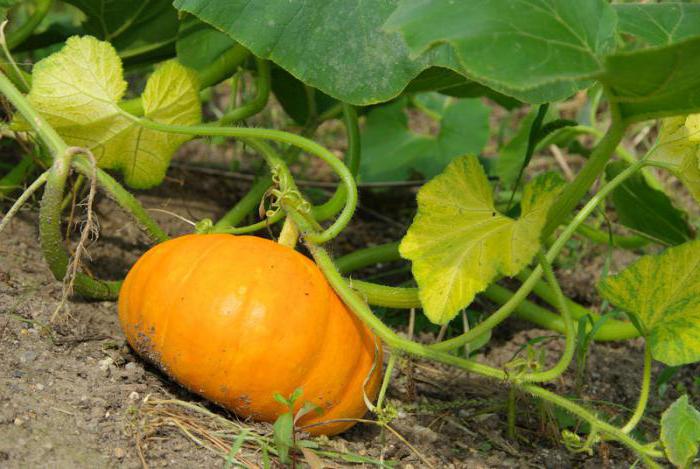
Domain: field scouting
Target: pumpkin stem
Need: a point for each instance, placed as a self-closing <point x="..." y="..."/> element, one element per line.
<point x="289" y="234"/>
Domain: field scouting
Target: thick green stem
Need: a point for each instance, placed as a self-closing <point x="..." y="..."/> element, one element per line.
<point x="258" y="103"/>
<point x="19" y="35"/>
<point x="52" y="239"/>
<point x="247" y="204"/>
<point x="620" y="330"/>
<point x="577" y="189"/>
<point x="602" y="237"/>
<point x="643" y="394"/>
<point x="404" y="298"/>
<point x="356" y="260"/>
<point x="569" y="330"/>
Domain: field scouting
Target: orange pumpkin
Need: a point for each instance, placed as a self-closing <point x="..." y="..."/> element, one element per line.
<point x="237" y="319"/>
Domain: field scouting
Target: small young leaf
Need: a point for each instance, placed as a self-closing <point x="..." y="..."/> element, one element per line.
<point x="647" y="209"/>
<point x="678" y="147"/>
<point x="284" y="436"/>
<point x="680" y="432"/>
<point x="663" y="291"/>
<point x="458" y="242"/>
<point x="78" y="90"/>
<point x="391" y="151"/>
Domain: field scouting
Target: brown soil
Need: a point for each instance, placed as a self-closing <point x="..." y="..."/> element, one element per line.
<point x="71" y="392"/>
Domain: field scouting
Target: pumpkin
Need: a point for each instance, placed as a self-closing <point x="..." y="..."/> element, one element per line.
<point x="237" y="319"/>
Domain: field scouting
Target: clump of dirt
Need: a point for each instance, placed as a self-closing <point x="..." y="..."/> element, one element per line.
<point x="72" y="393"/>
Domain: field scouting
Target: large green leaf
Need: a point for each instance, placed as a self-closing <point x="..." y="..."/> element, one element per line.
<point x="198" y="44"/>
<point x="134" y="27"/>
<point x="458" y="242"/>
<point x="678" y="148"/>
<point x="535" y="50"/>
<point x="392" y="152"/>
<point x="78" y="91"/>
<point x="680" y="432"/>
<point x="655" y="82"/>
<point x="657" y="24"/>
<point x="337" y="46"/>
<point x="663" y="292"/>
<point x="647" y="209"/>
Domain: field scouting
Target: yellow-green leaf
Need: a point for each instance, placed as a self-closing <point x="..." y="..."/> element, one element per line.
<point x="680" y="432"/>
<point x="458" y="242"/>
<point x="78" y="91"/>
<point x="663" y="292"/>
<point x="679" y="148"/>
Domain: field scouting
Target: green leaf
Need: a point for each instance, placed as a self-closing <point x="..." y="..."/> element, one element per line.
<point x="337" y="46"/>
<point x="680" y="432"/>
<point x="657" y="24"/>
<point x="458" y="242"/>
<point x="655" y="82"/>
<point x="663" y="291"/>
<point x="78" y="91"/>
<point x="134" y="27"/>
<point x="647" y="209"/>
<point x="198" y="44"/>
<point x="283" y="436"/>
<point x="392" y="152"/>
<point x="453" y="84"/>
<point x="678" y="148"/>
<point x="535" y="50"/>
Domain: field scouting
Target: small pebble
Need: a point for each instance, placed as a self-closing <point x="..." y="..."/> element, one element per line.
<point x="105" y="364"/>
<point x="134" y="396"/>
<point x="39" y="387"/>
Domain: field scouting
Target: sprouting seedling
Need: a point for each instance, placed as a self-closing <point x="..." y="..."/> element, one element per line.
<point x="284" y="426"/>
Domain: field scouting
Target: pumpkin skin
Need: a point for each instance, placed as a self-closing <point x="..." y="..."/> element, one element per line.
<point x="237" y="319"/>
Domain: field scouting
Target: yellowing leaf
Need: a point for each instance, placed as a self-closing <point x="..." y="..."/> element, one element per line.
<point x="680" y="432"/>
<point x="692" y="123"/>
<point x="663" y="292"/>
<point x="458" y="242"/>
<point x="679" y="147"/>
<point x="78" y="90"/>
